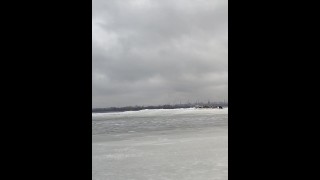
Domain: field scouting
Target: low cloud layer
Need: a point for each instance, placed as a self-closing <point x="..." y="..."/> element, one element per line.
<point x="150" y="52"/>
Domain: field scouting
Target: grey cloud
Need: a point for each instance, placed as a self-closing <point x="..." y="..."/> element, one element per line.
<point x="159" y="51"/>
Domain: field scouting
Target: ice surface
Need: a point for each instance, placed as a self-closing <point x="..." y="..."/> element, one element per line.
<point x="160" y="144"/>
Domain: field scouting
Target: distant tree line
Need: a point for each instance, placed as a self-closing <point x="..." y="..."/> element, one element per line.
<point x="167" y="106"/>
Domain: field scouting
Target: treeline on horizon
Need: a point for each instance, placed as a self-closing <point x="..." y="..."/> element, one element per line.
<point x="166" y="106"/>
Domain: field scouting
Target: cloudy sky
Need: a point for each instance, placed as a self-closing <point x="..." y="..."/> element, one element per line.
<point x="151" y="52"/>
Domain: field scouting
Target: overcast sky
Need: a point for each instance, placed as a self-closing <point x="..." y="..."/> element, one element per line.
<point x="150" y="52"/>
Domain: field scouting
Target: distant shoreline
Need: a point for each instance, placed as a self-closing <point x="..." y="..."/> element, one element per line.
<point x="139" y="108"/>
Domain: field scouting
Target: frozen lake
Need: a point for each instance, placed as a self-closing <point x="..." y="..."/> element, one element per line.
<point x="160" y="144"/>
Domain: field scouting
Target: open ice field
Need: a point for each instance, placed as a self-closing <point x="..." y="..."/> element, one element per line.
<point x="186" y="144"/>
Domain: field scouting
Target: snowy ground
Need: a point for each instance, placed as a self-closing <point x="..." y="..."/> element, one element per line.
<point x="161" y="144"/>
